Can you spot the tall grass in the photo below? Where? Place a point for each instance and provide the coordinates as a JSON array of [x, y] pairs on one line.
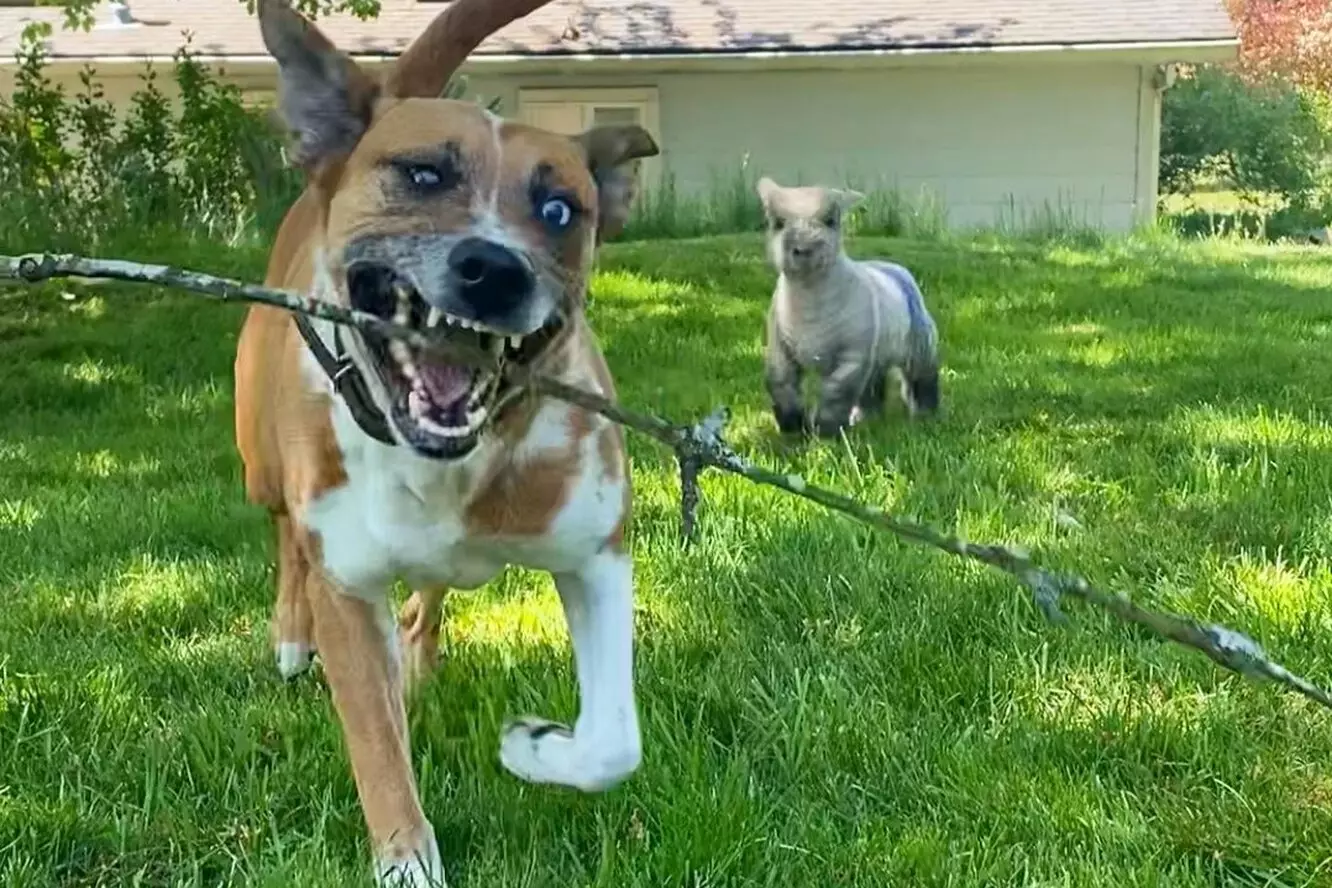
[[730, 205]]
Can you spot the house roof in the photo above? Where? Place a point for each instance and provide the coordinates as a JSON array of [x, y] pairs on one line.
[[566, 27]]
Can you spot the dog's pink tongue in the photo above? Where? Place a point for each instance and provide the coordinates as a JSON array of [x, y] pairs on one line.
[[443, 383]]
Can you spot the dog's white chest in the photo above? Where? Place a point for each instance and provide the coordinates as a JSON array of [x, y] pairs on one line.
[[400, 515]]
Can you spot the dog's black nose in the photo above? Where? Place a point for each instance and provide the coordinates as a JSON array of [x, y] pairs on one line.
[[492, 279]]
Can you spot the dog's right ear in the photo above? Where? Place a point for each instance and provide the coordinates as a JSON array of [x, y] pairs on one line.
[[766, 189], [324, 98], [611, 152]]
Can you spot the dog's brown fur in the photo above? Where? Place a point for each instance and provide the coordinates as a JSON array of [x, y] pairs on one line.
[[348, 128]]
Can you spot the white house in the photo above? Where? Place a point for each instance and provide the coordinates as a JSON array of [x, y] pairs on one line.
[[992, 107]]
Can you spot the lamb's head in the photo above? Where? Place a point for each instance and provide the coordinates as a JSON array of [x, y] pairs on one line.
[[804, 226]]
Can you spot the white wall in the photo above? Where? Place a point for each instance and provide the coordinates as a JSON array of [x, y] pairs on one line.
[[1063, 137]]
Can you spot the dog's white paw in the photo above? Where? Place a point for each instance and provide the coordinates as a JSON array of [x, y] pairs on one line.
[[541, 751], [417, 869], [293, 658]]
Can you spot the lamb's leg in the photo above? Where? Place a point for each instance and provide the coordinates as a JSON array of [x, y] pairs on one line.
[[840, 391], [875, 394], [782, 375], [920, 390]]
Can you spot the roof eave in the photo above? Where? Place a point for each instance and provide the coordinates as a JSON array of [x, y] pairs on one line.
[[1141, 52]]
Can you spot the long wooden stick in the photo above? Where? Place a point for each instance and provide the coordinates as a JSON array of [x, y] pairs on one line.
[[702, 444]]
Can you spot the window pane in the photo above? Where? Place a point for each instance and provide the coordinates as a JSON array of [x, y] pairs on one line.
[[615, 115]]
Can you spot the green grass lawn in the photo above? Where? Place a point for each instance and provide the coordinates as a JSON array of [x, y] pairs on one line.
[[822, 705]]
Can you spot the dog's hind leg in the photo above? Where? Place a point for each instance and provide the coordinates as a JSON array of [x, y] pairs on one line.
[[418, 628], [604, 746], [292, 626]]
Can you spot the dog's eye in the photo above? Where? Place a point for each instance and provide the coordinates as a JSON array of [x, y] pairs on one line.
[[556, 213], [778, 224], [831, 220], [424, 176]]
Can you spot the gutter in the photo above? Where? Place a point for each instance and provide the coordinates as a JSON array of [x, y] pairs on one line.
[[758, 55]]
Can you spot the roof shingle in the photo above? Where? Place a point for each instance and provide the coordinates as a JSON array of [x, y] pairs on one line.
[[222, 27]]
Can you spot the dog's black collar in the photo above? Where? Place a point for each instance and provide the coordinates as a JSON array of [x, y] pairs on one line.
[[347, 381]]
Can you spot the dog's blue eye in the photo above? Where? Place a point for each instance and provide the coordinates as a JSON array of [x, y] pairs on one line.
[[556, 213]]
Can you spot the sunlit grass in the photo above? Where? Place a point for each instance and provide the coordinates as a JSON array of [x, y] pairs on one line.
[[822, 705]]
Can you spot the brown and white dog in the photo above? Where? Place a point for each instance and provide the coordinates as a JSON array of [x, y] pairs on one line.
[[378, 462]]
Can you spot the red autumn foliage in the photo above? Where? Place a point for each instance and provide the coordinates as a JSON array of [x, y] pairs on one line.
[[1291, 39]]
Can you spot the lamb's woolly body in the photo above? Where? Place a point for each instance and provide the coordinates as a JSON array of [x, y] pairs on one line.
[[860, 312], [849, 321], [852, 325]]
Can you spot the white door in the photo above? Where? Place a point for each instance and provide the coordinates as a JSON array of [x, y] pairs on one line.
[[574, 111], [565, 118]]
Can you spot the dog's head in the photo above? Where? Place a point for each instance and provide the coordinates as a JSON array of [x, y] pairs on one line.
[[438, 214], [804, 225]]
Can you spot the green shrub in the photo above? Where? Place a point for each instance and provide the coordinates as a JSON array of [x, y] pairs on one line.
[[1266, 137], [205, 165]]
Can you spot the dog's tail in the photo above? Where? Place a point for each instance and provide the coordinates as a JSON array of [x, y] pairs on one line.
[[921, 367]]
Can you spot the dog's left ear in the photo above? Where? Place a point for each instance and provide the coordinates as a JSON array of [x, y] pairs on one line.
[[324, 98], [610, 151]]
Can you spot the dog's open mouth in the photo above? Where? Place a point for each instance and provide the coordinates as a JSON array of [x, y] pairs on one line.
[[440, 408]]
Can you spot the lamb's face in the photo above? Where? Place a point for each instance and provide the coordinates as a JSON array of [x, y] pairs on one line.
[[804, 226]]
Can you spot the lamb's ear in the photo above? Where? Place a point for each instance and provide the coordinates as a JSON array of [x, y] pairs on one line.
[[610, 151], [324, 98], [847, 198]]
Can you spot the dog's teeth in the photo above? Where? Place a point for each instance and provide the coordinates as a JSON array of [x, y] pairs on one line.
[[404, 309], [398, 349], [515, 342], [434, 317], [417, 405], [443, 431]]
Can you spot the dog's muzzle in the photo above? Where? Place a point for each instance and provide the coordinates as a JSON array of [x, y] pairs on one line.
[[440, 408]]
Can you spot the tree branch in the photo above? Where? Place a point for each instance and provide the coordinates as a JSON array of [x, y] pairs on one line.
[[703, 445]]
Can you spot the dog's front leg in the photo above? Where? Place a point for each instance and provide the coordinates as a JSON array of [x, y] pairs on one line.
[[357, 641], [604, 746]]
